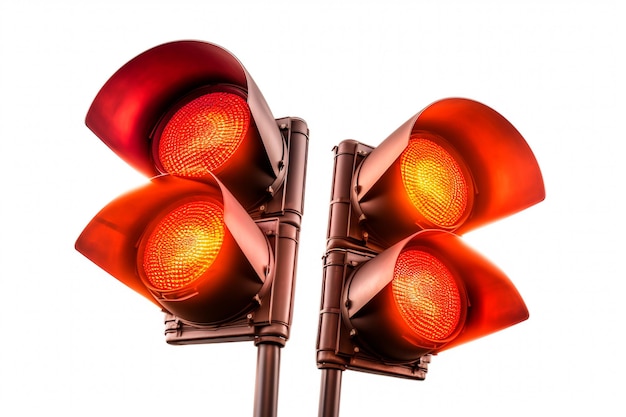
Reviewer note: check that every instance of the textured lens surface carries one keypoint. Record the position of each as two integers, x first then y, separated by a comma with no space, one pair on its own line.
434,182
183,245
426,295
203,134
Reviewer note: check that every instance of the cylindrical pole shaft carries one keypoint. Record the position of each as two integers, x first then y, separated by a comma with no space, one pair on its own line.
330,392
267,373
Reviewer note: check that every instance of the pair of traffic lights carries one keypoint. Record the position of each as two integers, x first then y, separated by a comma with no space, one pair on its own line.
212,239
399,283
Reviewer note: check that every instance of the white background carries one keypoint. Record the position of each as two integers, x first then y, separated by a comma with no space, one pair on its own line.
75,342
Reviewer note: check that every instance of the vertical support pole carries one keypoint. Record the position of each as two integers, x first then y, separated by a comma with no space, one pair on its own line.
267,375
330,393
270,338
328,343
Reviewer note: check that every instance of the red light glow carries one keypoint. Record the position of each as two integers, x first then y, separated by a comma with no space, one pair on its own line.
183,245
434,182
203,134
426,295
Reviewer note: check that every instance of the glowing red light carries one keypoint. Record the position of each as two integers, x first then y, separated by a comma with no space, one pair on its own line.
434,182
203,134
183,245
426,295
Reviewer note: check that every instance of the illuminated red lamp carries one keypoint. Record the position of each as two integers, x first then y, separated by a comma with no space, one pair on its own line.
425,294
455,166
190,108
202,135
188,246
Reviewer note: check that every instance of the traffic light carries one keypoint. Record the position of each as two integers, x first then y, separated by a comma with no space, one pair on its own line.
212,239
399,283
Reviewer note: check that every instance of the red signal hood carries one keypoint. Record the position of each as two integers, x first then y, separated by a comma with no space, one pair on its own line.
483,169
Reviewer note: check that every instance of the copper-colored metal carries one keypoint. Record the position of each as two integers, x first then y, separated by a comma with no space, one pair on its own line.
330,393
280,219
373,218
264,176
267,376
346,248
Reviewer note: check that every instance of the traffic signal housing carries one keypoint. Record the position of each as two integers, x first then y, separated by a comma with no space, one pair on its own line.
212,239
399,283
190,108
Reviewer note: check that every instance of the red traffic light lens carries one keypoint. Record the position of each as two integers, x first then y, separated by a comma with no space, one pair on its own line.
189,108
183,245
434,182
203,134
427,295
188,246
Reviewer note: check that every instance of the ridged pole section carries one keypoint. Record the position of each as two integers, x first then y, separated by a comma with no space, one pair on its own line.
331,368
270,339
